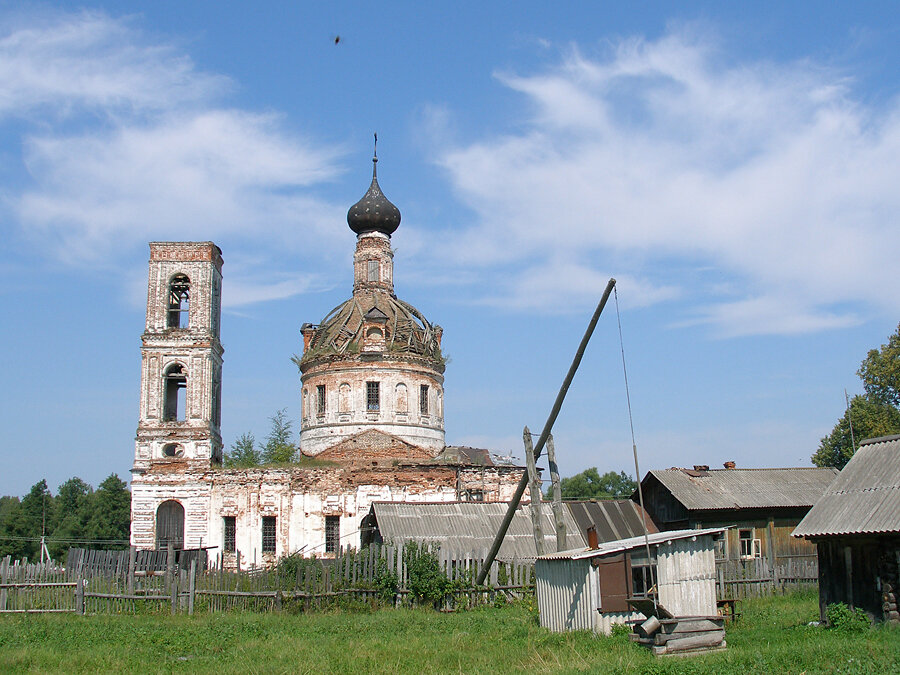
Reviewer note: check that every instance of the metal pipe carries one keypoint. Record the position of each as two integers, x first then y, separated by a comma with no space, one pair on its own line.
548,427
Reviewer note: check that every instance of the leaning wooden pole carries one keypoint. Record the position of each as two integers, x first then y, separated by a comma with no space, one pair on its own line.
534,479
548,427
556,496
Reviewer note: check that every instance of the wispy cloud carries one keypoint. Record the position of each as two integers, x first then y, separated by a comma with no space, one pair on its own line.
127,141
657,153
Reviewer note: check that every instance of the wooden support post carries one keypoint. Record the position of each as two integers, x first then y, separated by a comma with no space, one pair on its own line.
132,561
174,594
192,586
170,564
4,574
535,488
556,496
79,595
771,551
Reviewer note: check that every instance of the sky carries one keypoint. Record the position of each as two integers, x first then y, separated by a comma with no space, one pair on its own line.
735,166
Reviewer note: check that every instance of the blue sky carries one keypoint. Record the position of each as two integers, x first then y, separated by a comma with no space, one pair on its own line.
734,165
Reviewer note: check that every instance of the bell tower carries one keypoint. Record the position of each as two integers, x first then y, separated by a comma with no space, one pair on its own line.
181,358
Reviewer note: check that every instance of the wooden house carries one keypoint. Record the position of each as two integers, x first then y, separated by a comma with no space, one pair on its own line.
855,526
590,588
760,506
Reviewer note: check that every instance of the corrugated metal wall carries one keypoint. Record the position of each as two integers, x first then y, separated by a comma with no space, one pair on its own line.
566,594
687,577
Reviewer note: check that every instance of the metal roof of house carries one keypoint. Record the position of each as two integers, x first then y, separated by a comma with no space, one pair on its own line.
627,544
865,496
470,527
745,488
612,518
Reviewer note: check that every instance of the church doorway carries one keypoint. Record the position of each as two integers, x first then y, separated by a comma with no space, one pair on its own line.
170,525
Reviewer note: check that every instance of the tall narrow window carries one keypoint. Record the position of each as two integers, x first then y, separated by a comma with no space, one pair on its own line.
373,270
179,301
332,534
320,399
175,393
423,399
228,545
373,397
401,398
268,534
344,401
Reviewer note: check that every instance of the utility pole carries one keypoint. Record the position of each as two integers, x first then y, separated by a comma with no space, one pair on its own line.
535,481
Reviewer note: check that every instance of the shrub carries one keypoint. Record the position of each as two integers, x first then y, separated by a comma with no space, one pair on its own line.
427,581
840,616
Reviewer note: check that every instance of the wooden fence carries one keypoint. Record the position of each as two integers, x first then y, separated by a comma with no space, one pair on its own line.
95,582
757,576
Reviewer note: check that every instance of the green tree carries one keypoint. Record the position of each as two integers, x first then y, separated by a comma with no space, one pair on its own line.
589,484
279,448
243,453
870,420
877,413
12,532
109,524
72,508
880,372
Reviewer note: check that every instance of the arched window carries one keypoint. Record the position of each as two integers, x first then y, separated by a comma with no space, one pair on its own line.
175,394
401,398
344,398
170,525
179,301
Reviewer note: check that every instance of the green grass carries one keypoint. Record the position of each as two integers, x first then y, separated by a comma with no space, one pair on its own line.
772,637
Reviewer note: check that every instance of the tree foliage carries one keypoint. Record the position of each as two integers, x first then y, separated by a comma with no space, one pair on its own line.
279,447
76,516
877,413
589,484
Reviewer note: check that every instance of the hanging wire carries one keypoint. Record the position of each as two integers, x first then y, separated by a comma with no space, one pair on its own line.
637,471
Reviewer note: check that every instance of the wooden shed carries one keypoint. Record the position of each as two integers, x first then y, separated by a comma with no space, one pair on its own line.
589,589
856,528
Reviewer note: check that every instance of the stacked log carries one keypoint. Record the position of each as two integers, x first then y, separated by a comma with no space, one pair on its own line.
682,635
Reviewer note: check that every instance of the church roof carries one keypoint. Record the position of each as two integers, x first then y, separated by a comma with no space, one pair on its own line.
374,212
407,331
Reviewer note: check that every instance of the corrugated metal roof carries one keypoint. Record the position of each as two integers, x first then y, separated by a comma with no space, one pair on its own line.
464,527
745,488
632,542
865,496
613,518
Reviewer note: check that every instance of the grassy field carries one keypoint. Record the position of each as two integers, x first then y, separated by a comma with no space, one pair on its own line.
772,637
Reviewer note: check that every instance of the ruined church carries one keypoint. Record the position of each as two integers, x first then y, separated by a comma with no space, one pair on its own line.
372,414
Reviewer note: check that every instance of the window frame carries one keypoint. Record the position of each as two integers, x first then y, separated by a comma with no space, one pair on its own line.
269,534
332,534
229,534
423,399
373,396
321,399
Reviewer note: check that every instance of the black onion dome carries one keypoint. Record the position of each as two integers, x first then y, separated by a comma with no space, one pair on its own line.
374,212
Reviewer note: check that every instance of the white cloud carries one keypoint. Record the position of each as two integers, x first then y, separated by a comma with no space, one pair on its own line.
657,153
90,61
127,141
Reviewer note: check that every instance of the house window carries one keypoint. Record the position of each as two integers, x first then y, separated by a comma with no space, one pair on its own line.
179,302
373,270
423,399
230,529
749,545
268,534
320,399
373,397
641,575
332,534
175,393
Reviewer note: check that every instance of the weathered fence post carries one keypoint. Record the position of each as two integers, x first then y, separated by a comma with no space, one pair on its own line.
174,593
192,586
535,490
278,600
79,595
556,496
4,574
132,561
170,564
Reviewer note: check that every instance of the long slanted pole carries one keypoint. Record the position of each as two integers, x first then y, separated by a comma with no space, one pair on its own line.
548,427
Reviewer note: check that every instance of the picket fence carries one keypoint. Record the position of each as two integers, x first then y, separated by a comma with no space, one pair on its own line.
99,582
757,576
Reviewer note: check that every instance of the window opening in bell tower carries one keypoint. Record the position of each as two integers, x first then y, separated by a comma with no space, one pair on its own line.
179,302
